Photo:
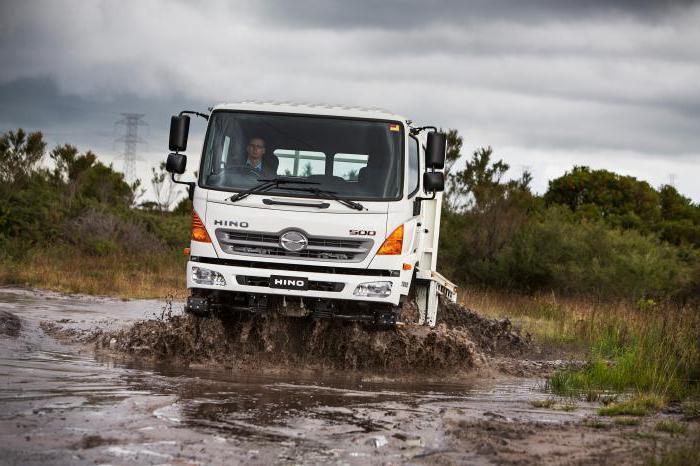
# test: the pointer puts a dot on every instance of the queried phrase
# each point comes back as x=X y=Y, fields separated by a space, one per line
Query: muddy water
x=62 y=404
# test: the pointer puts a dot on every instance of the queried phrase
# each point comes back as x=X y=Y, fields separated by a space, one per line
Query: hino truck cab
x=308 y=210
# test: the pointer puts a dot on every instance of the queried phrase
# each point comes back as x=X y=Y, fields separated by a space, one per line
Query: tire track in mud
x=462 y=340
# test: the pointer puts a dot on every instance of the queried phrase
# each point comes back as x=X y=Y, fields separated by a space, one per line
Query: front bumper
x=322 y=285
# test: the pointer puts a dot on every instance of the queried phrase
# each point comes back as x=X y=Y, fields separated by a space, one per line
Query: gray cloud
x=403 y=14
x=567 y=78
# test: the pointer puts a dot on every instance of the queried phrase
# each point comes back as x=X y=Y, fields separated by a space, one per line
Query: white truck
x=313 y=210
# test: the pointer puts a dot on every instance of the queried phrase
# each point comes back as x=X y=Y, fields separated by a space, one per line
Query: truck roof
x=311 y=109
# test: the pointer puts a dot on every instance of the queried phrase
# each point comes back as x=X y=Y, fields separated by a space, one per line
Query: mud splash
x=490 y=335
x=10 y=324
x=250 y=342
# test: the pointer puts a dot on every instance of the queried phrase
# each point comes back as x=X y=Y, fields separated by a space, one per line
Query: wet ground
x=63 y=403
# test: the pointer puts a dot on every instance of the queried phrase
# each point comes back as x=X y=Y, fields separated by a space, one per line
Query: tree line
x=592 y=232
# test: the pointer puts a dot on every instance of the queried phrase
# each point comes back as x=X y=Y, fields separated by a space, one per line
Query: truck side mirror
x=435 y=151
x=176 y=163
x=179 y=130
x=433 y=181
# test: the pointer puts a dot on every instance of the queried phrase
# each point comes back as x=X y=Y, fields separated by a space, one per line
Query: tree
x=453 y=150
x=453 y=153
x=19 y=154
x=486 y=212
x=83 y=177
x=620 y=200
x=480 y=184
x=681 y=218
x=163 y=187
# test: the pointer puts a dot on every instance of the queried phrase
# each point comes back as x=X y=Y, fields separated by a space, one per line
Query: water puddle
x=62 y=404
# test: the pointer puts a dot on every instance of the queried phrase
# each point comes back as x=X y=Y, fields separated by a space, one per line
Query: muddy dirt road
x=65 y=403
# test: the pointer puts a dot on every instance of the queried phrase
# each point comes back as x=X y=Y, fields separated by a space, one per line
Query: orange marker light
x=393 y=245
x=199 y=233
x=407 y=266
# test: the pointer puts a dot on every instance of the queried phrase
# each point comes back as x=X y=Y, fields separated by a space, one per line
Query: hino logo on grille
x=293 y=241
x=230 y=223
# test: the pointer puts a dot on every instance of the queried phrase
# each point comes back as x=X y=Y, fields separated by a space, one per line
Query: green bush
x=101 y=232
x=170 y=228
x=557 y=253
x=553 y=250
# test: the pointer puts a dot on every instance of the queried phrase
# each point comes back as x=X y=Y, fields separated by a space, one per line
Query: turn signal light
x=199 y=233
x=393 y=245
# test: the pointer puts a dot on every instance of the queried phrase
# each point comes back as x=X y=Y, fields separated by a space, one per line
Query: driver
x=255 y=151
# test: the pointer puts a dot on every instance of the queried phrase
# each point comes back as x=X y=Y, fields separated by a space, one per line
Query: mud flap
x=427 y=300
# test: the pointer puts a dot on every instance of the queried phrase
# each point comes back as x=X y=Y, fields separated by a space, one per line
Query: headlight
x=204 y=276
x=373 y=289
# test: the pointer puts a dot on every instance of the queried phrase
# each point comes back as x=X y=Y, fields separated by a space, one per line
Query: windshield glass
x=352 y=158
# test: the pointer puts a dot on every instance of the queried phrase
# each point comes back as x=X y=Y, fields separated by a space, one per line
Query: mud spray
x=461 y=340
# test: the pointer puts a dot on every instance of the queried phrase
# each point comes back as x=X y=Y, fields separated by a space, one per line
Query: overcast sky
x=548 y=84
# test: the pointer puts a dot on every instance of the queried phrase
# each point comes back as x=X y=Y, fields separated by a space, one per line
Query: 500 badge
x=362 y=232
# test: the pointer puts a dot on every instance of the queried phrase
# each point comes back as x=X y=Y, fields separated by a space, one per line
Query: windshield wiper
x=265 y=185
x=331 y=195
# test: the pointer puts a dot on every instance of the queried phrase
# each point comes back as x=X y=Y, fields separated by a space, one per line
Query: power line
x=131 y=139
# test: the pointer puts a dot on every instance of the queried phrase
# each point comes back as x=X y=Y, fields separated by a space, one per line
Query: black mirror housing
x=179 y=130
x=433 y=181
x=176 y=163
x=435 y=151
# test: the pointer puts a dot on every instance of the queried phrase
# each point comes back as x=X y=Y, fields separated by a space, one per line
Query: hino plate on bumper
x=289 y=283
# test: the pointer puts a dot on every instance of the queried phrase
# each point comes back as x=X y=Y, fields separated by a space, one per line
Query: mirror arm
x=190 y=185
x=415 y=131
x=417 y=202
x=420 y=199
x=192 y=112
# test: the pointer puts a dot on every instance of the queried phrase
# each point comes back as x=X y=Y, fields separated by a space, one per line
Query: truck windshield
x=359 y=159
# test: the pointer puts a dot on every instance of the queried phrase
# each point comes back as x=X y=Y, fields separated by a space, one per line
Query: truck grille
x=249 y=243
x=314 y=285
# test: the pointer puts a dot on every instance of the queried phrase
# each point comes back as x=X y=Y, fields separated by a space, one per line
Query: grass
x=649 y=355
x=627 y=421
x=640 y=435
x=642 y=346
x=596 y=424
x=681 y=455
x=568 y=407
x=549 y=319
x=548 y=403
x=639 y=405
x=551 y=403
x=671 y=427
x=152 y=275
x=691 y=409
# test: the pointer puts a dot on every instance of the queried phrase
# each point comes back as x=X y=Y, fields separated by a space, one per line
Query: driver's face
x=256 y=149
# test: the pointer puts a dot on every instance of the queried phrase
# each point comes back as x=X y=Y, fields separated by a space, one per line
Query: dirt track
x=86 y=381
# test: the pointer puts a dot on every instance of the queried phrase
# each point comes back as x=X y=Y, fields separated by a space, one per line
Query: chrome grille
x=264 y=244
